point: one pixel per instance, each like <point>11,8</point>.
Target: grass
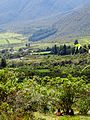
<point>42,53</point>
<point>11,39</point>
<point>14,38</point>
<point>41,45</point>
<point>43,70</point>
<point>54,117</point>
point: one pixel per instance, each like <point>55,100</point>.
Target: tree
<point>75,42</point>
<point>85,49</point>
<point>89,46</point>
<point>73,50</point>
<point>77,51</point>
<point>69,50</point>
<point>54,50</point>
<point>60,50</point>
<point>69,91</point>
<point>81,51</point>
<point>3,63</point>
<point>64,49</point>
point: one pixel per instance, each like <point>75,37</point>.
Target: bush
<point>84,106</point>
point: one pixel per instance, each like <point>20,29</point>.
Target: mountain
<point>33,9</point>
<point>76,23</point>
<point>41,19</point>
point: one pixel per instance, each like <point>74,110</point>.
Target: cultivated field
<point>10,38</point>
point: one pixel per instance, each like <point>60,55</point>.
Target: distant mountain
<point>34,9</point>
<point>40,19</point>
<point>75,23</point>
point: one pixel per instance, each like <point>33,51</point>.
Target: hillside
<point>25,10</point>
<point>45,19</point>
<point>72,25</point>
<point>76,23</point>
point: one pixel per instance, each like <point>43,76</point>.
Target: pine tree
<point>64,49</point>
<point>54,50</point>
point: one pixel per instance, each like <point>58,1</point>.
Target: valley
<point>31,78</point>
<point>44,59</point>
<point>37,78</point>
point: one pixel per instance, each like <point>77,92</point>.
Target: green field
<point>54,117</point>
<point>11,38</point>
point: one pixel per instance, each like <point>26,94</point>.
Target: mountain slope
<point>44,18</point>
<point>28,10</point>
<point>34,9</point>
<point>73,24</point>
<point>76,23</point>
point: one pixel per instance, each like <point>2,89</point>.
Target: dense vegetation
<point>38,83</point>
<point>38,80</point>
<point>42,34</point>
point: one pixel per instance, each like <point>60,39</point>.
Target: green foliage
<point>84,105</point>
<point>67,50</point>
<point>54,50</point>
<point>39,94</point>
<point>45,85</point>
<point>11,38</point>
